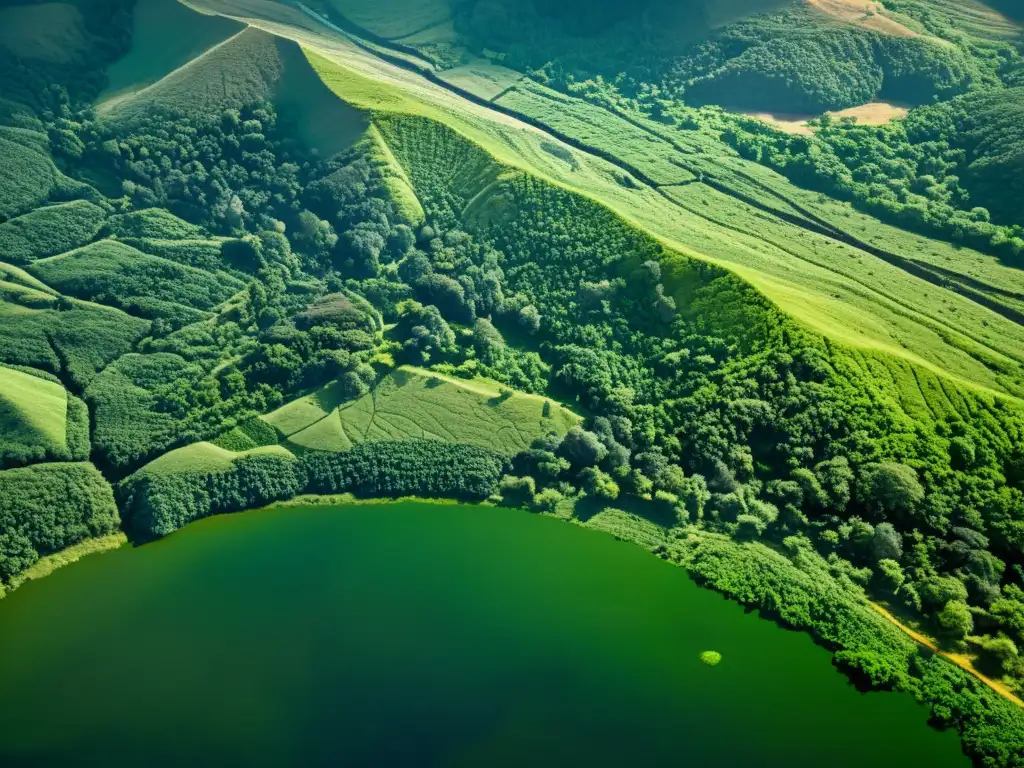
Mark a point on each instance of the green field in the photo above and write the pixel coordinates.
(482, 78)
(33, 413)
(395, 18)
(204, 457)
(413, 403)
(859, 312)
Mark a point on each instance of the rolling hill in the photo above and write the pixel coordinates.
(368, 247)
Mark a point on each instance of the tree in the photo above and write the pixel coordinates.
(597, 484)
(890, 487)
(529, 318)
(956, 620)
(886, 543)
(890, 575)
(582, 448)
(517, 490)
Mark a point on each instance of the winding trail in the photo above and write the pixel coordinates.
(962, 661)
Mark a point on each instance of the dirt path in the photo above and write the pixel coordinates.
(962, 661)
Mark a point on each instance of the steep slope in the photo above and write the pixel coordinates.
(249, 66)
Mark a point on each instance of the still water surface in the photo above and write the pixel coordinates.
(418, 634)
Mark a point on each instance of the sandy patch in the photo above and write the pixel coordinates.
(864, 13)
(794, 124)
(875, 113)
(48, 32)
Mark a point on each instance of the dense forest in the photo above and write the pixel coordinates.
(181, 274)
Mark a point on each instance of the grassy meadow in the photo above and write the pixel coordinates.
(416, 404)
(33, 411)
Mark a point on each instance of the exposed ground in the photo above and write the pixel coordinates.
(864, 13)
(963, 661)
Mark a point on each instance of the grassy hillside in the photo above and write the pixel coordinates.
(50, 230)
(33, 414)
(133, 281)
(249, 66)
(166, 35)
(204, 457)
(819, 291)
(417, 404)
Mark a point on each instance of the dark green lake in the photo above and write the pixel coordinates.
(417, 634)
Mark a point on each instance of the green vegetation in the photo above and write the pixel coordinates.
(393, 299)
(48, 508)
(201, 480)
(148, 286)
(415, 404)
(711, 658)
(34, 418)
(49, 231)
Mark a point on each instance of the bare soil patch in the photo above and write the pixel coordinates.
(864, 13)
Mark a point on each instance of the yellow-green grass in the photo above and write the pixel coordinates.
(51, 32)
(50, 230)
(166, 34)
(15, 275)
(598, 129)
(482, 78)
(152, 222)
(413, 403)
(407, 205)
(33, 411)
(820, 296)
(205, 457)
(394, 18)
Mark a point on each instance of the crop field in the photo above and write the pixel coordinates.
(412, 403)
(597, 128)
(482, 78)
(50, 231)
(166, 34)
(397, 181)
(33, 413)
(864, 13)
(395, 18)
(115, 273)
